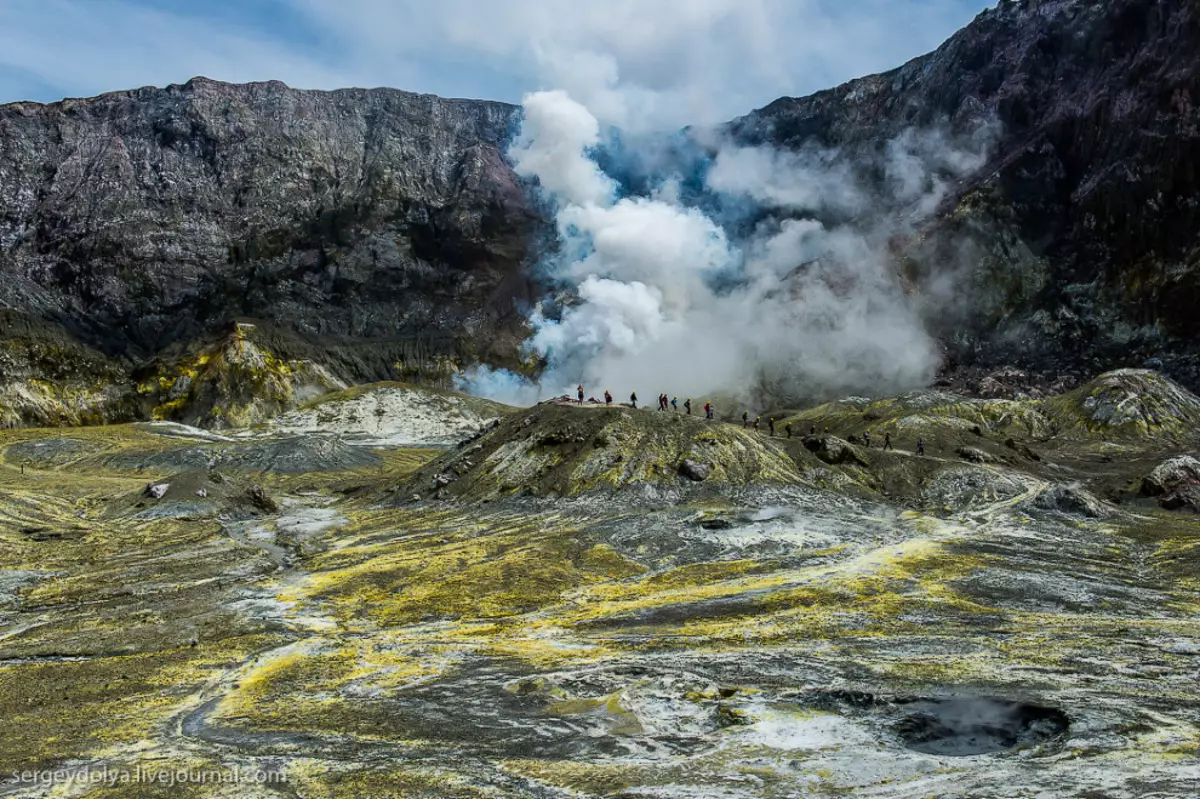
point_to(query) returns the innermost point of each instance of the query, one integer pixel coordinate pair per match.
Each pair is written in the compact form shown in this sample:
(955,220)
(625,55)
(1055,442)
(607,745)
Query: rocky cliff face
(1076,246)
(381,219)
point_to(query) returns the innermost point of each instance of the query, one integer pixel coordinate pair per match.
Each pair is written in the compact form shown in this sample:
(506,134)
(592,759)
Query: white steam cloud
(555,133)
(663,301)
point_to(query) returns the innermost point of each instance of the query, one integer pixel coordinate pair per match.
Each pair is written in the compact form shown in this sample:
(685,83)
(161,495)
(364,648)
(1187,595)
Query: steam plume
(664,300)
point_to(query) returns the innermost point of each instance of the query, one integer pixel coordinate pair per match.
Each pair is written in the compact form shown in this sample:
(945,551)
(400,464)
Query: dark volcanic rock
(972,454)
(1176,483)
(1076,245)
(1072,500)
(695,471)
(377,217)
(832,450)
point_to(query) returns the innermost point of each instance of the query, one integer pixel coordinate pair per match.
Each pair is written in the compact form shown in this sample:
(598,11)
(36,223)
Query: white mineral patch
(775,526)
(793,730)
(304,522)
(391,417)
(177,430)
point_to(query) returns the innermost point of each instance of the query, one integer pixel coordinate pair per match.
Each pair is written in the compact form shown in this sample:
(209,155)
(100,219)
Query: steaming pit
(976,726)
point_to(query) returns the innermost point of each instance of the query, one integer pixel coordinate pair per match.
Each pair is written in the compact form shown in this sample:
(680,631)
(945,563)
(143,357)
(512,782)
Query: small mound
(291,455)
(47,452)
(933,416)
(393,415)
(958,488)
(195,494)
(235,381)
(1128,403)
(297,454)
(556,450)
(1071,500)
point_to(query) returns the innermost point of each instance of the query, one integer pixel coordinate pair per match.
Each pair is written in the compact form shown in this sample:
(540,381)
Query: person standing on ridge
(787,428)
(920,446)
(771,425)
(708,410)
(887,440)
(675,404)
(633,400)
(581,393)
(746,419)
(757,422)
(687,405)
(662,402)
(607,397)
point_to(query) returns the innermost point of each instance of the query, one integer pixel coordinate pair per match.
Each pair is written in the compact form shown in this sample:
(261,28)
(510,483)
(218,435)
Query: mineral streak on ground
(580,601)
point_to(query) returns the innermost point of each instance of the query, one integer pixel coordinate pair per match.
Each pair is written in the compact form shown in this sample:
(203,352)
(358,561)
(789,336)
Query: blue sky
(649,63)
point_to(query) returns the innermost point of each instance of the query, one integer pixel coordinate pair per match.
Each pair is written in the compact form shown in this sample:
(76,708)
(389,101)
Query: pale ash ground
(760,634)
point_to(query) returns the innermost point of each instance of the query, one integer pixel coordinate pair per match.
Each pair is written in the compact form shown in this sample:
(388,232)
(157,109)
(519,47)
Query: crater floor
(890,626)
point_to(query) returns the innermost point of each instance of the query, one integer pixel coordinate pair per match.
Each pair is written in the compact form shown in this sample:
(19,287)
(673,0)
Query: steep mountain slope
(1076,245)
(380,218)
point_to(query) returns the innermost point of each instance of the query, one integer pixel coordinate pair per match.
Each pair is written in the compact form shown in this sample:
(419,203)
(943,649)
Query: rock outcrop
(1075,245)
(570,451)
(380,221)
(1175,482)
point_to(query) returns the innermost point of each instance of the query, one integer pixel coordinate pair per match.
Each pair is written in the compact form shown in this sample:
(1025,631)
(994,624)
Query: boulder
(1176,482)
(696,471)
(1071,500)
(1170,475)
(832,450)
(1021,449)
(972,454)
(258,497)
(157,491)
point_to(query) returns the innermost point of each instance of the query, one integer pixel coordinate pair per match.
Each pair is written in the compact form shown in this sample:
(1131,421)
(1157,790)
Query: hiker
(662,402)
(787,428)
(675,404)
(580,393)
(687,404)
(887,440)
(920,446)
(867,439)
(633,399)
(607,397)
(708,410)
(746,419)
(757,421)
(771,425)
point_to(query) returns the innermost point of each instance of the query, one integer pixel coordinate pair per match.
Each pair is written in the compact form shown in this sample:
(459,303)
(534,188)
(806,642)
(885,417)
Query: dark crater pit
(975,726)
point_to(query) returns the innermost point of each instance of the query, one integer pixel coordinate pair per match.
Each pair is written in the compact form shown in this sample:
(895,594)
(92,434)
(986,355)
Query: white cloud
(556,133)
